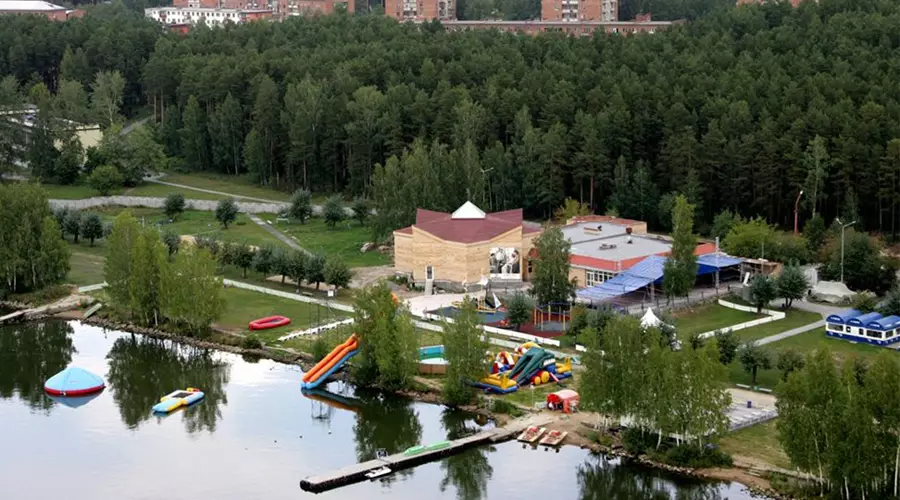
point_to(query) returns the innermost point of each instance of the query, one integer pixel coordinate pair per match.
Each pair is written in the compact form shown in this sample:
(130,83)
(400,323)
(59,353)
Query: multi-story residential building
(575,28)
(420,10)
(38,8)
(190,16)
(279,8)
(580,10)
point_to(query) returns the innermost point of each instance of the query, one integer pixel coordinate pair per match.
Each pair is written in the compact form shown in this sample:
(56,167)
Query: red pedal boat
(269,322)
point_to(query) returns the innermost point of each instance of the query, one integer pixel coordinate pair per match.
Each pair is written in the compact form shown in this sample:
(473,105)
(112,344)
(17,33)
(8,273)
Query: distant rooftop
(617,247)
(586,231)
(28,6)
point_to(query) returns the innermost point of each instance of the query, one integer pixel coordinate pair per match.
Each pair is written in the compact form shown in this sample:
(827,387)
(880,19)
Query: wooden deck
(357,472)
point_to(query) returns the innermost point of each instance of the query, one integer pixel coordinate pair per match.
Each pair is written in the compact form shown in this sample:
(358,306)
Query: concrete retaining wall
(153,202)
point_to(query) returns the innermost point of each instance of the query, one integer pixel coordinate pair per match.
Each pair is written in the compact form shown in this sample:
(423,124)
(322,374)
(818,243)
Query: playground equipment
(331,363)
(529,365)
(485,304)
(565,400)
(175,400)
(550,316)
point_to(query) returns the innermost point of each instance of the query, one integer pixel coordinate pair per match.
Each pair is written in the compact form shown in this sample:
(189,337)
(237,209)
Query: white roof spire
(468,210)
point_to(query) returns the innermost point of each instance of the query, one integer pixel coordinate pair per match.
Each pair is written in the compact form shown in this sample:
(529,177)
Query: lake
(256,435)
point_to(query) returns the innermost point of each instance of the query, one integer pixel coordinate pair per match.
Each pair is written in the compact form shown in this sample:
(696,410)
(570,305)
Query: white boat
(379,472)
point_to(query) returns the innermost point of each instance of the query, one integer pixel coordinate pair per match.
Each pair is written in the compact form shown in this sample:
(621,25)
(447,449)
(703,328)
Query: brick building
(39,8)
(575,28)
(181,18)
(580,10)
(279,8)
(420,10)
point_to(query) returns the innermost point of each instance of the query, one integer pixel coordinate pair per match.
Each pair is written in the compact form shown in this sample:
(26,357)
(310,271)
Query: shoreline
(756,485)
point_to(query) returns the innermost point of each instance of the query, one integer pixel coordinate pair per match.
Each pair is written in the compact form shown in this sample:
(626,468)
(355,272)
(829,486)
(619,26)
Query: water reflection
(468,472)
(141,370)
(385,425)
(602,479)
(29,355)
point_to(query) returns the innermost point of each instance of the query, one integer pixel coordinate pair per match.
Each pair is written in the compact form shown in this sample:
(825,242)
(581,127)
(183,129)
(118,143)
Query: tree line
(714,109)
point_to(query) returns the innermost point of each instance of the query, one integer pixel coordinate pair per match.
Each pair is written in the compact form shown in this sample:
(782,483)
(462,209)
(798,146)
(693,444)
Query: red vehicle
(269,322)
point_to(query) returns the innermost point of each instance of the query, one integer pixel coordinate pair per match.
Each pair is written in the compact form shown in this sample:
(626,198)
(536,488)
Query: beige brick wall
(452,261)
(578,274)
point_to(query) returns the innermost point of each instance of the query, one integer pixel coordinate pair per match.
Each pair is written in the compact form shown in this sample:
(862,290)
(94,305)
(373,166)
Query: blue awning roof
(647,271)
(864,319)
(884,324)
(843,317)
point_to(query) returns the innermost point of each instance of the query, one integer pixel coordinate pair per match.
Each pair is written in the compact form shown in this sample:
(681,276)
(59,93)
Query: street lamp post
(796,211)
(843,226)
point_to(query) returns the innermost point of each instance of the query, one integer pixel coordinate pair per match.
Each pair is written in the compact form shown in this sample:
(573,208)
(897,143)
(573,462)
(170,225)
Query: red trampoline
(269,322)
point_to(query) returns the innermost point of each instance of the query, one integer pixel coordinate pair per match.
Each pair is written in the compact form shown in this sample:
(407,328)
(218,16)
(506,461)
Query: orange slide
(329,364)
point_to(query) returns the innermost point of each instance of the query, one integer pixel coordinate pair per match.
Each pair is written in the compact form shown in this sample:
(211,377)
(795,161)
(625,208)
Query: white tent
(650,320)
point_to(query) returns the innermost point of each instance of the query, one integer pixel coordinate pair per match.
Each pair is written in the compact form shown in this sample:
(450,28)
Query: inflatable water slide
(534,366)
(330,364)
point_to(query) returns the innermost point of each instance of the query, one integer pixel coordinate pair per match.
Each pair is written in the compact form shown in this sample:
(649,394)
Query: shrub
(174,205)
(251,342)
(105,179)
(697,457)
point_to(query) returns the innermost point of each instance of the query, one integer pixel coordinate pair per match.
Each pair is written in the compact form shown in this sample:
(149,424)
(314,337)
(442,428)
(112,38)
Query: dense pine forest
(740,108)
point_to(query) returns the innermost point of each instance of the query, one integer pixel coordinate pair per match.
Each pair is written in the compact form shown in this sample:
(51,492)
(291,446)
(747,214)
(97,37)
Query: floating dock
(399,461)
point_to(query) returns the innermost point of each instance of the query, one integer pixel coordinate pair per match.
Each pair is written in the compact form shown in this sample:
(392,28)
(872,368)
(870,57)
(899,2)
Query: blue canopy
(843,317)
(73,381)
(647,271)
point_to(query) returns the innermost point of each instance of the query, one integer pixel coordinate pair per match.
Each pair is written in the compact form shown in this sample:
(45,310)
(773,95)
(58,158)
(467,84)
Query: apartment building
(279,8)
(38,8)
(420,10)
(180,17)
(580,10)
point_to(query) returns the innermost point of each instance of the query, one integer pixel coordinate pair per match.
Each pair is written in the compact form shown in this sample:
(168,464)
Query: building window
(593,278)
(530,263)
(429,272)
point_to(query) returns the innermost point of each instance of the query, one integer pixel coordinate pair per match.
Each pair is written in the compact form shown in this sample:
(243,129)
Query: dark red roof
(443,226)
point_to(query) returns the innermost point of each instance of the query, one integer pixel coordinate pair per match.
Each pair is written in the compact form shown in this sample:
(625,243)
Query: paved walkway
(278,234)
(156,180)
(791,333)
(91,288)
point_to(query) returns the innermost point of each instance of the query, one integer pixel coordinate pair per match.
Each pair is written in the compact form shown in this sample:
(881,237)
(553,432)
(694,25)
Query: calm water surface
(255,435)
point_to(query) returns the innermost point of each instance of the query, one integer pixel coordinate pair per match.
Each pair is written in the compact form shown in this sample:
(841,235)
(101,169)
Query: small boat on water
(379,472)
(175,400)
(269,322)
(553,438)
(531,434)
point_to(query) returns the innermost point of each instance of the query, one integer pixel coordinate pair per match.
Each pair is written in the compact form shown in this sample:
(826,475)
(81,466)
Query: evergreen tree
(69,162)
(680,269)
(267,124)
(815,231)
(74,66)
(195,136)
(226,133)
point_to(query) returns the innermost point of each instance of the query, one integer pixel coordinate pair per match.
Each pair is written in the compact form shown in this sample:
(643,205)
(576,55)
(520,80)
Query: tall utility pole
(796,211)
(843,226)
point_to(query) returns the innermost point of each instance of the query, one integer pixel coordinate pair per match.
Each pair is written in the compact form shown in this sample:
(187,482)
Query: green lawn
(803,343)
(344,241)
(200,223)
(236,185)
(152,189)
(85,269)
(243,306)
(793,319)
(526,395)
(708,318)
(759,442)
(74,192)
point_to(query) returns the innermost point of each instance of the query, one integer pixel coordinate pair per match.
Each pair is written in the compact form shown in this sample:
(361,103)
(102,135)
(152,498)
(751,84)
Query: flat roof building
(575,28)
(191,16)
(420,10)
(580,10)
(40,8)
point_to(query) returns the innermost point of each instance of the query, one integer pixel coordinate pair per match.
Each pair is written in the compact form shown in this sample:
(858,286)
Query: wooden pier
(12,316)
(357,473)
